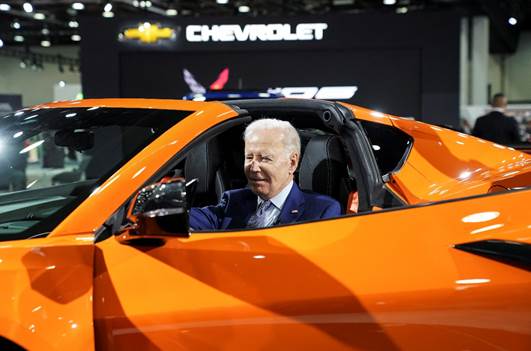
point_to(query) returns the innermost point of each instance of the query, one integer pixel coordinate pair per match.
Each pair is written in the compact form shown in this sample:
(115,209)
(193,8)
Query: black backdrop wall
(404,65)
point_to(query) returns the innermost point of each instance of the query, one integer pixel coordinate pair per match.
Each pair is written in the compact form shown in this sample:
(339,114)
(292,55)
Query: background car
(434,241)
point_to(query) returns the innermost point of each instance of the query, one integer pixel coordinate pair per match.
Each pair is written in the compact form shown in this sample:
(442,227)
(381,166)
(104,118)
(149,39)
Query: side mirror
(158,211)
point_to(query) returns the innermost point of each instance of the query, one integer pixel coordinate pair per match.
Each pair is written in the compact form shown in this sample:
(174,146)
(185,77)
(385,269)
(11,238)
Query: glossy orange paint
(46,292)
(385,280)
(444,164)
(348,283)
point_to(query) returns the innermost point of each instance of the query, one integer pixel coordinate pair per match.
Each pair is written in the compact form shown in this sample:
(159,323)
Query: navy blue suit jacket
(237,206)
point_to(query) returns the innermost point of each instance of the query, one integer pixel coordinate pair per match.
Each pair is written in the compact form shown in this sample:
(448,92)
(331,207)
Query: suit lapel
(241,211)
(293,207)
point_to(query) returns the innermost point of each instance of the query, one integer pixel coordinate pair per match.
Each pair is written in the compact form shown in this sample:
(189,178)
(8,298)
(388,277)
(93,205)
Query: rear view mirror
(79,139)
(158,210)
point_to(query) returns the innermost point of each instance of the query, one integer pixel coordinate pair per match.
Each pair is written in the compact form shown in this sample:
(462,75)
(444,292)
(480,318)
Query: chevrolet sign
(148,33)
(254,32)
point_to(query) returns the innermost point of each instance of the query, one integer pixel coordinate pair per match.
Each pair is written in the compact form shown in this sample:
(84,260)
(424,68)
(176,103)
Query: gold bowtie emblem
(149,33)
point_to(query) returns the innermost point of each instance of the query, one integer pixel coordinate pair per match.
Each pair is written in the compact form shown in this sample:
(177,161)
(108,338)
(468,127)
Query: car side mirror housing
(158,211)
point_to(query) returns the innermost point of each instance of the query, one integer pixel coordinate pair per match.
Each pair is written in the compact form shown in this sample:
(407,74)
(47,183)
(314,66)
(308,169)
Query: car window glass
(390,145)
(53,158)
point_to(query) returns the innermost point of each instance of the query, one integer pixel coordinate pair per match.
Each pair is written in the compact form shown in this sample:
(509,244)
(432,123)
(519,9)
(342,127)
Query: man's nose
(254,167)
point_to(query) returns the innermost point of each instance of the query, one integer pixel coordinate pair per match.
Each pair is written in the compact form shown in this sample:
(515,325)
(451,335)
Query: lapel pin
(294,211)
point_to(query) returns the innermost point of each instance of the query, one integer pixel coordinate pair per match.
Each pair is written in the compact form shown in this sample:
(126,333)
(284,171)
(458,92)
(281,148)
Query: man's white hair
(288,133)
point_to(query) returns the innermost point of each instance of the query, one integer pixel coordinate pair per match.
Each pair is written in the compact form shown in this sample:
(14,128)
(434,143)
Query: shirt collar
(279,199)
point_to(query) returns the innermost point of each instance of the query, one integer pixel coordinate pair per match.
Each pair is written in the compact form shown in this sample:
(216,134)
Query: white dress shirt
(278,201)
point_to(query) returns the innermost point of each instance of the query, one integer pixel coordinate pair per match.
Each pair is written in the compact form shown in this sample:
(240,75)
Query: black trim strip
(514,253)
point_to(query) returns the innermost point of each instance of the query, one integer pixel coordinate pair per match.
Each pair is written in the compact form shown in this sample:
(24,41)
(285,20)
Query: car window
(390,145)
(53,158)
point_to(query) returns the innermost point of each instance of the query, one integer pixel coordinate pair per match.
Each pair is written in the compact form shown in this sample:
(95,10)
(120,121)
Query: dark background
(404,65)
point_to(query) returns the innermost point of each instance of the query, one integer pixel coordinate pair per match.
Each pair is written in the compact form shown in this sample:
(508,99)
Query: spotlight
(513,21)
(401,10)
(27,7)
(78,6)
(46,43)
(73,24)
(1,43)
(5,7)
(244,9)
(389,2)
(222,2)
(15,24)
(18,38)
(45,31)
(62,83)
(107,7)
(75,37)
(39,16)
(171,12)
(23,64)
(108,14)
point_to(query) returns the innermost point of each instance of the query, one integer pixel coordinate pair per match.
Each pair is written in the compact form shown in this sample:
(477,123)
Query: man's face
(267,166)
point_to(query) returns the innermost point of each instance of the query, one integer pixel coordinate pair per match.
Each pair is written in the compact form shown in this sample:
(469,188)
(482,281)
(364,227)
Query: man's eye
(267,159)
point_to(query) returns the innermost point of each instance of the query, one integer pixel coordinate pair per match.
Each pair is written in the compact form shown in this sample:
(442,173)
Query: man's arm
(209,217)
(515,132)
(477,131)
(332,210)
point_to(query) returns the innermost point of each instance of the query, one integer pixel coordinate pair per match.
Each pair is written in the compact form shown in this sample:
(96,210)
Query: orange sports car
(432,251)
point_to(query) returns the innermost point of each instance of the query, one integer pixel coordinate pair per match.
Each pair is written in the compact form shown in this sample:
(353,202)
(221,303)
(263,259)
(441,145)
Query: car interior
(217,164)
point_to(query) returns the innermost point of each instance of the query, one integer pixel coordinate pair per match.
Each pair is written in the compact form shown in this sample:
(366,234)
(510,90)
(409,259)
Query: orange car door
(46,293)
(382,281)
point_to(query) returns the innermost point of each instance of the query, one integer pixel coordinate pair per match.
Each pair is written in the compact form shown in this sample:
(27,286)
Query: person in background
(496,126)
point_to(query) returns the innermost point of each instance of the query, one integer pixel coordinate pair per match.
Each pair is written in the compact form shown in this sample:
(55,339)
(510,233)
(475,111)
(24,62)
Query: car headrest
(323,166)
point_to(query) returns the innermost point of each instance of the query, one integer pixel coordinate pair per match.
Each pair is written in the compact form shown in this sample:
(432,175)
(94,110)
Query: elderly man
(272,152)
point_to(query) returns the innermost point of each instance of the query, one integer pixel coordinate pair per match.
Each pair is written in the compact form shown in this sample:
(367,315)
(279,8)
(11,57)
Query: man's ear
(293,161)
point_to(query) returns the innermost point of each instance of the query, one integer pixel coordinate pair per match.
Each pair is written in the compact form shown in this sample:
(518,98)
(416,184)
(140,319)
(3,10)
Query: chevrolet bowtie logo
(148,33)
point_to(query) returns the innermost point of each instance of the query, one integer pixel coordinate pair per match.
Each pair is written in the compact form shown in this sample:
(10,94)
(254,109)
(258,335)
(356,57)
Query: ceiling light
(45,31)
(148,3)
(15,25)
(27,7)
(389,2)
(78,6)
(222,2)
(107,7)
(18,38)
(171,12)
(401,10)
(244,9)
(73,24)
(513,21)
(5,7)
(46,43)
(39,16)
(108,14)
(136,3)
(75,37)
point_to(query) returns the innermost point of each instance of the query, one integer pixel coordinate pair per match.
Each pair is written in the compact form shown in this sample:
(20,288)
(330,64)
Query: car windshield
(52,159)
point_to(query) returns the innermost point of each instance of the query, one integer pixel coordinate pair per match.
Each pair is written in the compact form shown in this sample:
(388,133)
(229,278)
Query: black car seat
(323,168)
(203,163)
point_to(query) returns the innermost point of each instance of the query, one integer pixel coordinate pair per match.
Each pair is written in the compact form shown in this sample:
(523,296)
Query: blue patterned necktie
(262,217)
